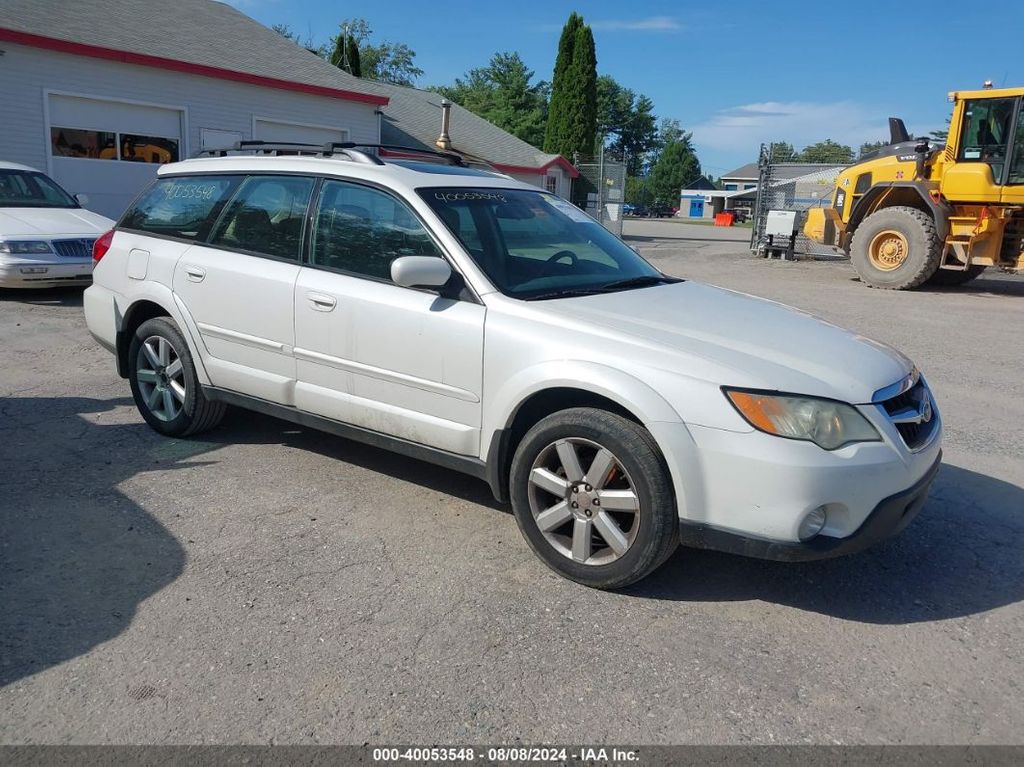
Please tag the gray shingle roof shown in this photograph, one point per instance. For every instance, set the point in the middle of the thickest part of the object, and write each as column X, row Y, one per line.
column 413, row 118
column 203, row 32
column 744, row 171
column 780, row 171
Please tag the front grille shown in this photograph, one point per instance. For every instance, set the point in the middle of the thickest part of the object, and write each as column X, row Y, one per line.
column 77, row 248
column 913, row 414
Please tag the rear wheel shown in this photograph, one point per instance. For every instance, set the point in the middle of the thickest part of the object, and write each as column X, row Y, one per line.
column 592, row 496
column 164, row 382
column 896, row 248
column 943, row 277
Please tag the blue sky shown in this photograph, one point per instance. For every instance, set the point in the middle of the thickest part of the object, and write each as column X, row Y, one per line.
column 830, row 70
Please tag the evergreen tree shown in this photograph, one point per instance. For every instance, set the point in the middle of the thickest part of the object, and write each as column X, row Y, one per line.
column 676, row 167
column 554, row 131
column 581, row 125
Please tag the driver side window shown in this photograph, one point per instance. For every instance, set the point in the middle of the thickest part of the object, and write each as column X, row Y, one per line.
column 360, row 230
column 986, row 133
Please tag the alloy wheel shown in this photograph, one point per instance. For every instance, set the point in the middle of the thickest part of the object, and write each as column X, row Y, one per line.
column 591, row 515
column 161, row 378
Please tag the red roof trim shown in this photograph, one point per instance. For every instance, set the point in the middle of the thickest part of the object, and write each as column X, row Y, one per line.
column 540, row 171
column 145, row 60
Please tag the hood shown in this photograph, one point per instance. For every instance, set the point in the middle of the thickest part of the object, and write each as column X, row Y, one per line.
column 736, row 339
column 52, row 222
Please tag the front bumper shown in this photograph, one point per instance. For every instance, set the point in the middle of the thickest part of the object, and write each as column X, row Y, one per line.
column 40, row 274
column 888, row 518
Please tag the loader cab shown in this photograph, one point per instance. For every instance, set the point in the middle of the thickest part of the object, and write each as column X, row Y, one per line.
column 986, row 143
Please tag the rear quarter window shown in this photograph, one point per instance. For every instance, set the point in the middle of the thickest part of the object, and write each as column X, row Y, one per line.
column 184, row 207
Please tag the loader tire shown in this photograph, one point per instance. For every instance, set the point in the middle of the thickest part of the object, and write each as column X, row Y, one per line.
column 896, row 249
column 951, row 277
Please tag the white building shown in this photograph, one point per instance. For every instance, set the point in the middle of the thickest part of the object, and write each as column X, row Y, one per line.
column 97, row 93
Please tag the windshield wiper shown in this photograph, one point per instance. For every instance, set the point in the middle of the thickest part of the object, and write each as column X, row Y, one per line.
column 637, row 282
column 566, row 293
column 632, row 282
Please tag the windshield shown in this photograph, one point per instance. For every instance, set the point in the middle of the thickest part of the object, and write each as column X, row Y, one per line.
column 29, row 189
column 534, row 245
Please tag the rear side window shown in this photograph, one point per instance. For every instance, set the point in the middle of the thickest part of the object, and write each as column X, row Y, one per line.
column 361, row 230
column 266, row 216
column 180, row 206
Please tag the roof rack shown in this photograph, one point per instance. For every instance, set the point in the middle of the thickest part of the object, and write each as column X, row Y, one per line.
column 451, row 157
column 277, row 147
column 350, row 149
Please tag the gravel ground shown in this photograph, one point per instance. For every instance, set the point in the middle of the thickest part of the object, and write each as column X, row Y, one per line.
column 270, row 584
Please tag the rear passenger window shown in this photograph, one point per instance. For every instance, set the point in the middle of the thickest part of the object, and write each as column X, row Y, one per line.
column 361, row 230
column 266, row 216
column 180, row 206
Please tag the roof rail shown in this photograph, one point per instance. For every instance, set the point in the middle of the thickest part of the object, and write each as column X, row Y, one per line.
column 277, row 147
column 262, row 146
column 452, row 157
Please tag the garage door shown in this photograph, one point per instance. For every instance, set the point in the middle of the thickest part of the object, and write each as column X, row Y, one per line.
column 110, row 150
column 273, row 130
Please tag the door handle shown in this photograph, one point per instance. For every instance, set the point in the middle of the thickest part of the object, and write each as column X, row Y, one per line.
column 194, row 273
column 322, row 302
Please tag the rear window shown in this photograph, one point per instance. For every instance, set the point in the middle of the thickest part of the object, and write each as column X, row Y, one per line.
column 185, row 207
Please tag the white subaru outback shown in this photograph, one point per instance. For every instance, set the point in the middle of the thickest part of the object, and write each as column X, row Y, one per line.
column 457, row 316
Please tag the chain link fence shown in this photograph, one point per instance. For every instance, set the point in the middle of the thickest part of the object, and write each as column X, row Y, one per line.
column 794, row 187
column 600, row 190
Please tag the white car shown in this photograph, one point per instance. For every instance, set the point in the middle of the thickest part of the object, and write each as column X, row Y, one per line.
column 46, row 236
column 458, row 316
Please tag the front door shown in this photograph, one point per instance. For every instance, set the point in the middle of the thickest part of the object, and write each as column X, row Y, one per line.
column 696, row 208
column 399, row 361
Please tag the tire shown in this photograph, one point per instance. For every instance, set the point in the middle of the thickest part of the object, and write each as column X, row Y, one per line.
column 952, row 277
column 179, row 408
column 914, row 253
column 574, row 542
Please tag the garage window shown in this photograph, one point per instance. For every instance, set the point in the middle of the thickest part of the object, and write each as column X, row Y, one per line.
column 107, row 145
column 93, row 144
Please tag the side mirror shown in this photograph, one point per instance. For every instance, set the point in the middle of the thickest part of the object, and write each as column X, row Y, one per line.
column 420, row 272
column 82, row 199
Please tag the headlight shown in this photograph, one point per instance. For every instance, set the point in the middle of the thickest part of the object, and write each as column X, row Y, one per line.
column 826, row 423
column 25, row 246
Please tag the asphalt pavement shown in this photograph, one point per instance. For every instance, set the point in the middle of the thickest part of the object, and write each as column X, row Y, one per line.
column 265, row 583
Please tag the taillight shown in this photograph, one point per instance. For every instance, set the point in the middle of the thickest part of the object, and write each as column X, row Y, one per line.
column 102, row 245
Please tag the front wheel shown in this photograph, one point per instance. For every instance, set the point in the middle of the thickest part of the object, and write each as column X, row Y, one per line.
column 896, row 248
column 164, row 382
column 592, row 496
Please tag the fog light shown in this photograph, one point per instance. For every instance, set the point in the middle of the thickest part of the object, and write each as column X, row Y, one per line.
column 812, row 524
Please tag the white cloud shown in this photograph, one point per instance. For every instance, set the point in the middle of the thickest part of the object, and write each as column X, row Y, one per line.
column 743, row 128
column 650, row 24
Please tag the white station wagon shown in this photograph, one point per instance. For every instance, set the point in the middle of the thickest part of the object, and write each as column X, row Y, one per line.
column 457, row 316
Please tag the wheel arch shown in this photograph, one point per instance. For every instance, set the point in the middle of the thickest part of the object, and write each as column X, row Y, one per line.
column 156, row 301
column 541, row 391
column 908, row 194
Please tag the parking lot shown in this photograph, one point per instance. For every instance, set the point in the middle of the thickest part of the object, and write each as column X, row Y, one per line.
column 270, row 584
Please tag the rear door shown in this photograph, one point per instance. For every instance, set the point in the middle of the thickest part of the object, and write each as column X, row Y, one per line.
column 239, row 286
column 399, row 361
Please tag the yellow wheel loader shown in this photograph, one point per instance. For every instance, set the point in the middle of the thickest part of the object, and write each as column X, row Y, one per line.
column 916, row 211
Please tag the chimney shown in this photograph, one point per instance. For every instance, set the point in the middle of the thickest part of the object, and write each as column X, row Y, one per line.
column 443, row 141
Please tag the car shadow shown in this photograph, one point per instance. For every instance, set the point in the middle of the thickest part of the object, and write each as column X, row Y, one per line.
column 77, row 556
column 71, row 296
column 964, row 554
column 247, row 427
